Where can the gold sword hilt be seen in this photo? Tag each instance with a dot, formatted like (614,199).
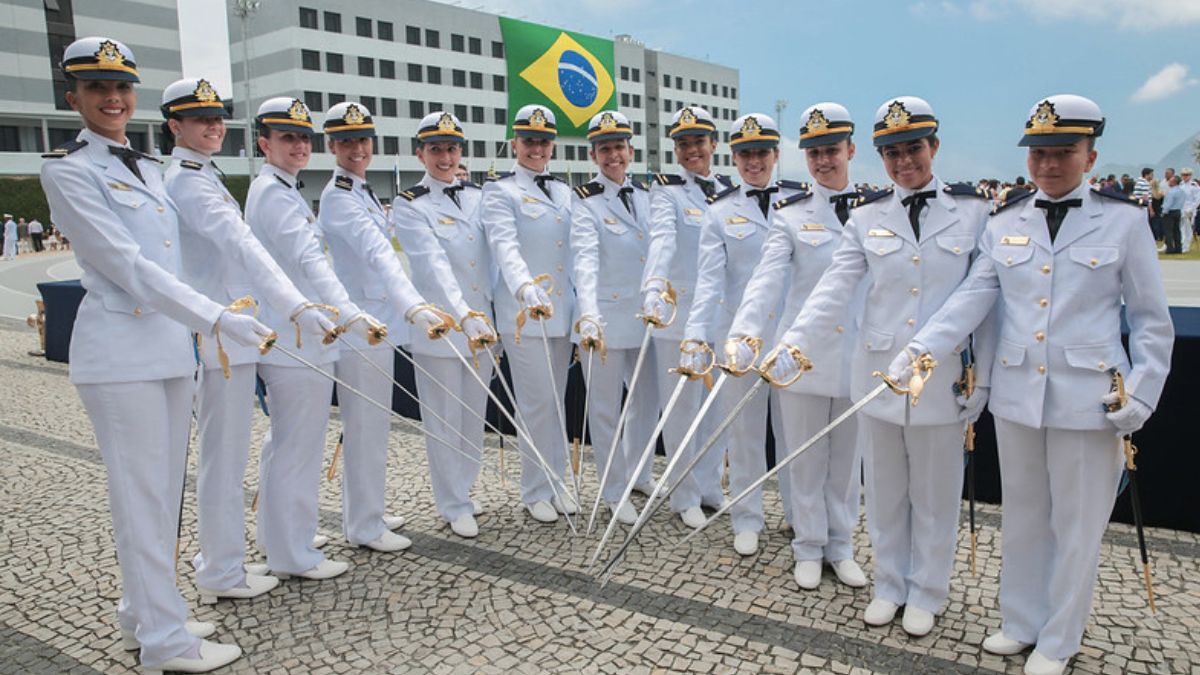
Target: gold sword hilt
(236,307)
(730,349)
(668,296)
(479,343)
(376,332)
(331,311)
(803,365)
(923,365)
(592,343)
(539,312)
(696,347)
(446,323)
(1118,385)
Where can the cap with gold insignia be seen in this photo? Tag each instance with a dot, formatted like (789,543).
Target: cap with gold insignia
(690,121)
(825,124)
(534,121)
(609,125)
(753,131)
(1062,120)
(903,119)
(440,127)
(194,97)
(284,113)
(99,58)
(349,120)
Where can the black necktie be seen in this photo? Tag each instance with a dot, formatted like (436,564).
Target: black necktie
(1056,212)
(367,187)
(129,157)
(299,184)
(915,202)
(217,169)
(624,193)
(452,193)
(541,182)
(841,205)
(707,187)
(763,197)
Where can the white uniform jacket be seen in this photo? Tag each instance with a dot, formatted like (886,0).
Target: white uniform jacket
(528,233)
(448,254)
(678,211)
(1060,324)
(731,245)
(356,230)
(609,245)
(221,258)
(135,322)
(280,218)
(909,281)
(804,233)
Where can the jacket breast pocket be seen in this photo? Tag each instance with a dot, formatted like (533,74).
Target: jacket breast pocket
(1094,357)
(614,226)
(446,229)
(875,340)
(1008,256)
(122,303)
(532,210)
(814,238)
(1094,257)
(1010,354)
(126,198)
(739,231)
(956,244)
(882,246)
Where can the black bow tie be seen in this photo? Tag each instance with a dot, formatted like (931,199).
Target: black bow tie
(541,180)
(915,202)
(763,196)
(367,187)
(299,184)
(706,186)
(129,157)
(452,193)
(1056,212)
(624,194)
(841,205)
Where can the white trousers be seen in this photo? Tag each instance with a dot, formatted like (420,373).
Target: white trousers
(824,480)
(451,474)
(365,430)
(290,467)
(746,443)
(914,493)
(142,429)
(605,393)
(537,403)
(1058,487)
(703,484)
(1185,230)
(223,412)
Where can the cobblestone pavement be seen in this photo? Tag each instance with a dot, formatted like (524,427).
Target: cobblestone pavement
(517,598)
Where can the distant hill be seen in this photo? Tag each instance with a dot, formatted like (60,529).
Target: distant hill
(1181,155)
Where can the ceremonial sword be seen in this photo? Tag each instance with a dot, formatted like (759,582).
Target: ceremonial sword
(967,388)
(1135,500)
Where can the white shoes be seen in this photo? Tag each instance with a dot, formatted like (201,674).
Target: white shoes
(808,574)
(564,504)
(255,585)
(542,511)
(213,655)
(693,517)
(1037,664)
(917,622)
(644,488)
(626,515)
(326,569)
(389,542)
(848,572)
(393,522)
(476,509)
(465,526)
(319,541)
(261,569)
(745,543)
(880,612)
(200,629)
(1001,644)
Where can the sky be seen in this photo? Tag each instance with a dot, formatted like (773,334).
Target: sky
(981,64)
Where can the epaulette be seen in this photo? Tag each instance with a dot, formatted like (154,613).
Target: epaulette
(722,194)
(414,192)
(669,179)
(344,182)
(1013,196)
(724,180)
(1124,198)
(191,164)
(792,184)
(469,184)
(798,197)
(964,190)
(65,149)
(590,189)
(500,176)
(640,184)
(869,197)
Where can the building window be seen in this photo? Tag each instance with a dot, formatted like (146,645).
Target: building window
(457,43)
(310,60)
(624,72)
(501,149)
(413,145)
(498,82)
(479,148)
(333,62)
(475,46)
(362,26)
(733,92)
(415,72)
(637,155)
(666,105)
(416,109)
(476,80)
(460,111)
(391,145)
(569,152)
(725,90)
(678,82)
(693,86)
(637,75)
(368,102)
(458,78)
(385,31)
(335,99)
(366,66)
(497,50)
(333,22)
(412,35)
(637,128)
(670,157)
(432,38)
(308,18)
(318,142)
(312,99)
(637,100)
(499,116)
(624,100)
(387,69)
(477,114)
(703,87)
(433,74)
(666,81)
(387,107)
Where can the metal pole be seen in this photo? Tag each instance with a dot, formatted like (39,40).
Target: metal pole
(244,9)
(780,106)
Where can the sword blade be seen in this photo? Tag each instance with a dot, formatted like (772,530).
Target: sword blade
(587,399)
(558,410)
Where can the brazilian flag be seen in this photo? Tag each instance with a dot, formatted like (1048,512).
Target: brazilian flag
(570,73)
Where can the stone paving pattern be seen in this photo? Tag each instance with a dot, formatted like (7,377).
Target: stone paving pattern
(517,599)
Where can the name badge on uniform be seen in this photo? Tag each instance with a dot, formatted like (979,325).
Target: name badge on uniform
(693,212)
(812,227)
(119,186)
(1014,240)
(446,221)
(880,233)
(610,221)
(528,200)
(736,220)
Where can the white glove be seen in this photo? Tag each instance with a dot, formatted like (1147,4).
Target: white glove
(972,406)
(475,328)
(535,296)
(744,357)
(1129,418)
(784,368)
(901,368)
(654,305)
(692,361)
(242,328)
(365,324)
(426,319)
(314,323)
(589,330)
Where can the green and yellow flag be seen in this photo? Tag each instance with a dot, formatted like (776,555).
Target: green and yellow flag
(570,73)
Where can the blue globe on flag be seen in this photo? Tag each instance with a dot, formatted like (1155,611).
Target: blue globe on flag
(577,79)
